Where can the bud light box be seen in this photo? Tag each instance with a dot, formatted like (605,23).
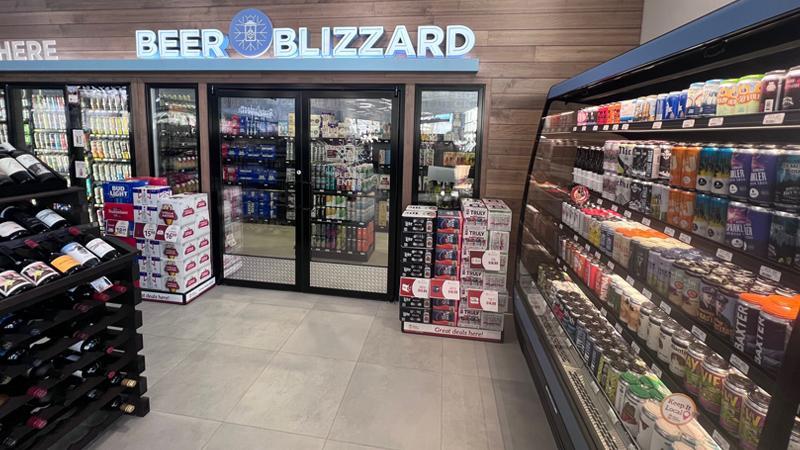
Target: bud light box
(120,191)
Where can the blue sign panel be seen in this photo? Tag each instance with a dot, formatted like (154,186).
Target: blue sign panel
(250,33)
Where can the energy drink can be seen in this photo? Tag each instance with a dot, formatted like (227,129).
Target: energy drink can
(682,104)
(783,237)
(691,163)
(700,223)
(717,217)
(741,165)
(676,165)
(722,171)
(710,93)
(661,103)
(736,225)
(757,230)
(705,168)
(686,210)
(673,105)
(694,99)
(787,183)
(763,170)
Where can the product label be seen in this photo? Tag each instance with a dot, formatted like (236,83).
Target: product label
(99,247)
(11,282)
(678,409)
(101,284)
(64,263)
(32,164)
(39,272)
(49,217)
(9,228)
(78,252)
(10,166)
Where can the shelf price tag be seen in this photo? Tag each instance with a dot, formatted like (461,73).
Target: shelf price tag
(685,238)
(666,307)
(600,201)
(627,214)
(574,128)
(739,364)
(716,121)
(769,272)
(587,246)
(646,292)
(655,369)
(698,333)
(605,127)
(614,208)
(635,348)
(612,415)
(575,237)
(594,128)
(630,280)
(595,387)
(611,265)
(721,440)
(625,126)
(669,231)
(615,127)
(774,119)
(583,128)
(645,221)
(724,255)
(688,123)
(656,125)
(618,327)
(597,254)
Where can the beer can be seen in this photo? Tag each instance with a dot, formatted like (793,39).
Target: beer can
(748,94)
(726,97)
(757,230)
(790,98)
(651,108)
(627,110)
(676,164)
(762,175)
(705,168)
(710,93)
(771,91)
(717,216)
(686,210)
(783,231)
(741,164)
(661,106)
(787,179)
(664,163)
(691,163)
(682,104)
(722,170)
(673,207)
(673,105)
(659,201)
(700,221)
(736,224)
(694,99)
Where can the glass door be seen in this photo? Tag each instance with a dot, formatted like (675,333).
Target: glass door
(173,132)
(351,140)
(256,169)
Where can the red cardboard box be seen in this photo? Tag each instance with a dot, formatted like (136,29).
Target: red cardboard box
(118,211)
(415,287)
(447,289)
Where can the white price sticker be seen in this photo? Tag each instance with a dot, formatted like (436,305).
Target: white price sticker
(688,123)
(600,201)
(669,231)
(615,127)
(685,238)
(587,246)
(597,254)
(635,348)
(654,368)
(611,265)
(698,333)
(618,327)
(614,208)
(595,387)
(647,293)
(627,214)
(630,280)
(774,119)
(605,127)
(583,128)
(656,125)
(716,121)
(81,169)
(574,128)
(612,415)
(625,126)
(739,364)
(594,128)
(721,440)
(645,221)
(724,255)
(769,272)
(78,139)
(666,307)
(575,237)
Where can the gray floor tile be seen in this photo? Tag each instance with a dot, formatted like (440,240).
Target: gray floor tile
(506,362)
(210,381)
(391,407)
(286,298)
(348,305)
(153,431)
(265,327)
(463,427)
(162,354)
(388,346)
(460,356)
(336,445)
(296,393)
(233,437)
(389,310)
(517,403)
(151,310)
(330,334)
(198,320)
(491,417)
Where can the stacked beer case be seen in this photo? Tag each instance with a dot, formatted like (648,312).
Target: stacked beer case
(416,262)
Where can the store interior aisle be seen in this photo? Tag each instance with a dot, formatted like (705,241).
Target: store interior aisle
(255,369)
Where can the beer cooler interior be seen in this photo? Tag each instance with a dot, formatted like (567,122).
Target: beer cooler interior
(659,258)
(175,142)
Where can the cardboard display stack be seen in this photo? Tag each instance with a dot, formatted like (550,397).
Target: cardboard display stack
(172,234)
(464,295)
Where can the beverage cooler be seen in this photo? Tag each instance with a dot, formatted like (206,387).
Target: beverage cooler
(658,272)
(304,184)
(174,139)
(75,123)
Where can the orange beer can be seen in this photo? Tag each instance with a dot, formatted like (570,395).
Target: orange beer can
(691,162)
(686,210)
(673,207)
(676,164)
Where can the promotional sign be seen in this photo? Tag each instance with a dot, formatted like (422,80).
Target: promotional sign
(445,289)
(485,300)
(678,409)
(488,260)
(415,287)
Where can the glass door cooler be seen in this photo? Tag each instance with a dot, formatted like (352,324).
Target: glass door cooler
(658,271)
(175,141)
(3,116)
(40,122)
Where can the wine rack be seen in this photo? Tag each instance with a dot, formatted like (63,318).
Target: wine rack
(78,411)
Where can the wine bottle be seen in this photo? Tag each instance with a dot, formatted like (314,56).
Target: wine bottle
(11,282)
(96,290)
(20,215)
(14,170)
(90,344)
(120,402)
(28,266)
(23,386)
(51,254)
(34,166)
(52,219)
(120,379)
(10,230)
(10,322)
(95,244)
(78,252)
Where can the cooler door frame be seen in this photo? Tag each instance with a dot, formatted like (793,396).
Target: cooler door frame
(150,137)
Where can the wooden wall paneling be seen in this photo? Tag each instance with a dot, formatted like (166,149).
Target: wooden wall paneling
(140,125)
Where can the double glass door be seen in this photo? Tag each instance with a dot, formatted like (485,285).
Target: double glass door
(304,184)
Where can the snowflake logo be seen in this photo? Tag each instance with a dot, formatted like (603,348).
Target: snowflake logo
(250,33)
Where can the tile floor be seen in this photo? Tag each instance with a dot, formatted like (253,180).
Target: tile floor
(254,369)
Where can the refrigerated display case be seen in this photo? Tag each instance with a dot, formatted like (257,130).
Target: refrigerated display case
(658,253)
(447,143)
(40,121)
(3,116)
(173,134)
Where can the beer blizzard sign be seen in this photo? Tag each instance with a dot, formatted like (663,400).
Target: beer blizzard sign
(252,35)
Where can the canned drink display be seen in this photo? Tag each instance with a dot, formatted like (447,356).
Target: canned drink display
(775,323)
(706,166)
(787,179)
(757,236)
(748,94)
(673,106)
(661,105)
(701,210)
(741,166)
(735,389)
(736,225)
(726,97)
(717,215)
(694,99)
(686,210)
(791,90)
(710,93)
(721,178)
(726,302)
(682,104)
(771,90)
(748,310)
(691,163)
(763,169)
(783,237)
(714,371)
(695,357)
(751,423)
(677,157)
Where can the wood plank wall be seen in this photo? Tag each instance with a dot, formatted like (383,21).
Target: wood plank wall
(524,46)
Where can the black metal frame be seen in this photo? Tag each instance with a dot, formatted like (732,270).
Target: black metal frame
(302,94)
(149,87)
(418,89)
